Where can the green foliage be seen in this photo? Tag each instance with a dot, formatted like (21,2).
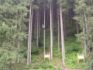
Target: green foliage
(13,36)
(12,30)
(84,14)
(72,45)
(72,48)
(7,58)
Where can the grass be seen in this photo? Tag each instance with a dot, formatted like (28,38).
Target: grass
(72,48)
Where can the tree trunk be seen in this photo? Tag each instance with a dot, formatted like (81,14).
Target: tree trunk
(51,32)
(44,28)
(39,25)
(17,37)
(29,37)
(37,28)
(85,34)
(18,48)
(58,31)
(62,38)
(77,28)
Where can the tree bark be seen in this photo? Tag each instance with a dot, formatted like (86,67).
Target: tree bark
(37,28)
(17,36)
(85,34)
(44,29)
(51,32)
(62,38)
(58,30)
(77,28)
(29,36)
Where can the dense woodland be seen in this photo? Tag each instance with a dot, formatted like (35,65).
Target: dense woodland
(46,34)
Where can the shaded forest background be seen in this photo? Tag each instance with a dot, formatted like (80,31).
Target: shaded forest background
(15,17)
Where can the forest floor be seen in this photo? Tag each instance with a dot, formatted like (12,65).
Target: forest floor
(72,48)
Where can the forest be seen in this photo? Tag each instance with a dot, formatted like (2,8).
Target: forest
(46,34)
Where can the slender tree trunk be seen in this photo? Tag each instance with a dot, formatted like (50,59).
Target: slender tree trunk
(77,28)
(17,37)
(37,28)
(85,34)
(18,48)
(44,28)
(58,31)
(51,32)
(62,38)
(29,36)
